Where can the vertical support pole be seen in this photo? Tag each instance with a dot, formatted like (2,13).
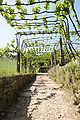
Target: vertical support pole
(29,65)
(25,65)
(52,59)
(18,52)
(55,61)
(49,63)
(61,53)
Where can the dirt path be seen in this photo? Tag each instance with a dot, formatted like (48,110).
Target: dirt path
(44,100)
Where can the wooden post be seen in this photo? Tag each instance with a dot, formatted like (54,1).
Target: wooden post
(49,63)
(61,53)
(18,53)
(18,62)
(25,65)
(55,61)
(30,65)
(52,59)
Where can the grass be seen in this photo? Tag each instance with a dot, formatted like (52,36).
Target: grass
(7,66)
(69,76)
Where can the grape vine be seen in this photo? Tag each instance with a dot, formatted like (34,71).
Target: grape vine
(39,21)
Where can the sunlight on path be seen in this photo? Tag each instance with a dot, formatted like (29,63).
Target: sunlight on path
(44,100)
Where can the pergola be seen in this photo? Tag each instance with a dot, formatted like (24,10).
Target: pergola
(37,26)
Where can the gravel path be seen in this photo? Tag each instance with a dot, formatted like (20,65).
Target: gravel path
(43,100)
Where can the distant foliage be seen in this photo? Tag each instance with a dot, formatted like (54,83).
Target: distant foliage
(7,66)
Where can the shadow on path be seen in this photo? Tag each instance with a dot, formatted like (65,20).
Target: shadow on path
(18,109)
(42,100)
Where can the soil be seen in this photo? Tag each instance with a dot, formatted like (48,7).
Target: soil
(43,100)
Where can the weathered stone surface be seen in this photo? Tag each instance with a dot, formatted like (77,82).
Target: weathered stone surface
(9,86)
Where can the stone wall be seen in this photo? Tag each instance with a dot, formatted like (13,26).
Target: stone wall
(9,87)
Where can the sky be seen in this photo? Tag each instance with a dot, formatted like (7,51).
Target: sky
(7,33)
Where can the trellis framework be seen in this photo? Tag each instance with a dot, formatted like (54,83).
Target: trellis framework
(35,19)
